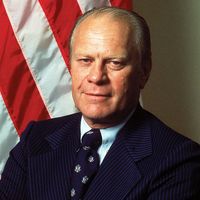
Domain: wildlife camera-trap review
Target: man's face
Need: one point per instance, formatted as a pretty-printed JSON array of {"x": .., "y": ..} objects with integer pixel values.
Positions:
[{"x": 105, "y": 79}]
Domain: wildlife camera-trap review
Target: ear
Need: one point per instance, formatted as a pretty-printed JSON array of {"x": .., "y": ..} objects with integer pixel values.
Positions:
[{"x": 144, "y": 73}]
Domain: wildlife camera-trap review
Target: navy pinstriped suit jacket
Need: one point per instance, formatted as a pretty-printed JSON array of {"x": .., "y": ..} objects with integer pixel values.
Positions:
[{"x": 148, "y": 160}]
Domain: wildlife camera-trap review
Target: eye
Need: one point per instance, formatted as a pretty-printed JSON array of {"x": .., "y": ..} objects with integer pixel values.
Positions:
[
  {"x": 85, "y": 61},
  {"x": 115, "y": 64}
]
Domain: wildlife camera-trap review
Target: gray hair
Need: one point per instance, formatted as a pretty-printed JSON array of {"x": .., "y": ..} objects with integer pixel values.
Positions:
[{"x": 141, "y": 34}]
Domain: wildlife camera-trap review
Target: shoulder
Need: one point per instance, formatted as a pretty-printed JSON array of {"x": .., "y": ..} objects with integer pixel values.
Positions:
[
  {"x": 45, "y": 127},
  {"x": 36, "y": 132},
  {"x": 176, "y": 160},
  {"x": 161, "y": 132},
  {"x": 156, "y": 137},
  {"x": 167, "y": 145},
  {"x": 50, "y": 125},
  {"x": 168, "y": 156}
]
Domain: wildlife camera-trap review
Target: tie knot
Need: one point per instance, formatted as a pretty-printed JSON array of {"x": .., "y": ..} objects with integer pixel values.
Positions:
[{"x": 92, "y": 139}]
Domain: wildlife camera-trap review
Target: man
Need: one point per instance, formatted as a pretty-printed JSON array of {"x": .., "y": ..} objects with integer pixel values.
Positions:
[{"x": 139, "y": 157}]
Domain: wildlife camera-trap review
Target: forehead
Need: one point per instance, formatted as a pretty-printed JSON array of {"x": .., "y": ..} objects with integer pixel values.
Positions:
[{"x": 103, "y": 30}]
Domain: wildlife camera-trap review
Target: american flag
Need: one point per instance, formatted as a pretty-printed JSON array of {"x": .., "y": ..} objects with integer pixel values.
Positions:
[{"x": 35, "y": 82}]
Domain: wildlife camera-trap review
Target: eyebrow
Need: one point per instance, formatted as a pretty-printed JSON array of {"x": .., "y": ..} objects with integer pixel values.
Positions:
[{"x": 122, "y": 57}]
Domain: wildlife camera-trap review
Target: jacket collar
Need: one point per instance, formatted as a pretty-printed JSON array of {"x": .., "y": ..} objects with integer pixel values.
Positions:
[{"x": 67, "y": 133}]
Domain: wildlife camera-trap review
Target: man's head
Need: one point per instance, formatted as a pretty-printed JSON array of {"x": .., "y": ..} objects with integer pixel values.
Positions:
[{"x": 110, "y": 58}]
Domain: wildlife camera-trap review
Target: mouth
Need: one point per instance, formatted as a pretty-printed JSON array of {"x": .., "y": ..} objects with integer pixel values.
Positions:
[{"x": 97, "y": 96}]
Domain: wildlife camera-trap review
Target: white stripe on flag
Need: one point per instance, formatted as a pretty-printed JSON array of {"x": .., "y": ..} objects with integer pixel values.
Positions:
[
  {"x": 41, "y": 52},
  {"x": 8, "y": 134},
  {"x": 90, "y": 4}
]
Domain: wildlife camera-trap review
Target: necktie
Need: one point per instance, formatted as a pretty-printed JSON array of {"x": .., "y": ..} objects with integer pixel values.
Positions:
[{"x": 87, "y": 163}]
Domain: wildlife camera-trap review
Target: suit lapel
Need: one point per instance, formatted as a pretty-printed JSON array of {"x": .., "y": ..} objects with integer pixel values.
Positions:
[
  {"x": 67, "y": 147},
  {"x": 119, "y": 172},
  {"x": 69, "y": 131},
  {"x": 57, "y": 163}
]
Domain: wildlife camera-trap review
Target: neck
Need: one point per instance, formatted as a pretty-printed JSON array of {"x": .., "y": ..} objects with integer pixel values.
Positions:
[{"x": 107, "y": 123}]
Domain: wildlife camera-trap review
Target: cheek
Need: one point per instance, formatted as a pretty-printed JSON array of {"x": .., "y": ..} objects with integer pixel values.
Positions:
[
  {"x": 121, "y": 81},
  {"x": 120, "y": 87},
  {"x": 77, "y": 77},
  {"x": 126, "y": 86},
  {"x": 75, "y": 84}
]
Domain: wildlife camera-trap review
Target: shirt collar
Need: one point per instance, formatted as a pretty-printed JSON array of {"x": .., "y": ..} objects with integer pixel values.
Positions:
[{"x": 108, "y": 134}]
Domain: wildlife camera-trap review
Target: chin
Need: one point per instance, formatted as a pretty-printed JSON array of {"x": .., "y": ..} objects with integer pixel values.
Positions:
[
  {"x": 95, "y": 116},
  {"x": 102, "y": 119}
]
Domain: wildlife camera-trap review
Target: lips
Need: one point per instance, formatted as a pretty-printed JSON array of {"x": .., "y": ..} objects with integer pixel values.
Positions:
[{"x": 96, "y": 96}]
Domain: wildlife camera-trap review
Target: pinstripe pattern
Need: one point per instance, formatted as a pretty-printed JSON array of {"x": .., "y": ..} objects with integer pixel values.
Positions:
[{"x": 148, "y": 160}]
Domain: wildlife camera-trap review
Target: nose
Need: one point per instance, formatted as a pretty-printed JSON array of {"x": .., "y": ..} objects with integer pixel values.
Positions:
[{"x": 97, "y": 73}]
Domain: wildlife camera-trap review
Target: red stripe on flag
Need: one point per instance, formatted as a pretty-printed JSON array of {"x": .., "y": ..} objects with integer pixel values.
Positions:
[
  {"x": 61, "y": 15},
  {"x": 18, "y": 88},
  {"x": 124, "y": 4}
]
